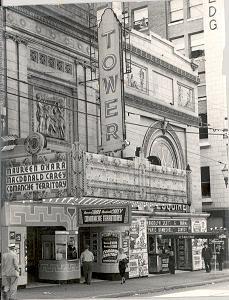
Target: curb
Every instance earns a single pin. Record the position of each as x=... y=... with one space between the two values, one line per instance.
x=161 y=289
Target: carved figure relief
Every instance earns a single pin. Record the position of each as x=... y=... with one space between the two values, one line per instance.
x=50 y=115
x=138 y=78
x=186 y=97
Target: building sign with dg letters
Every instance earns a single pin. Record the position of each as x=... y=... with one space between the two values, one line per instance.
x=101 y=216
x=111 y=82
x=27 y=180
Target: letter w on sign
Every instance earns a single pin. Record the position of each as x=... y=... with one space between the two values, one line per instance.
x=110 y=84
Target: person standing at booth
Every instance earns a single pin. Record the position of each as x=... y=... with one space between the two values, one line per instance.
x=87 y=259
x=207 y=256
x=10 y=273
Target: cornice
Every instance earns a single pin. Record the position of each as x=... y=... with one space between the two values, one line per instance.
x=48 y=21
x=161 y=110
x=163 y=64
x=20 y=39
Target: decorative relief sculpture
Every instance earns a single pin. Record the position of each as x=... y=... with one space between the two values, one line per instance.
x=50 y=115
x=186 y=97
x=138 y=78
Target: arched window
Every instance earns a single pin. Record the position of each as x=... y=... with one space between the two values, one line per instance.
x=162 y=150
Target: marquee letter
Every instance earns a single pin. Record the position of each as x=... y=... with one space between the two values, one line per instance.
x=111 y=111
x=108 y=35
x=112 y=130
x=110 y=84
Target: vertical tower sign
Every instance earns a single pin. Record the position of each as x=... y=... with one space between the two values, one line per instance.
x=111 y=82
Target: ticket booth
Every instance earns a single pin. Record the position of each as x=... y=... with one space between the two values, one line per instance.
x=60 y=261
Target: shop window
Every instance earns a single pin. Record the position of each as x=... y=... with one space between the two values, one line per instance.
x=197 y=45
x=195 y=9
x=140 y=19
x=203 y=119
x=179 y=44
x=205 y=182
x=176 y=10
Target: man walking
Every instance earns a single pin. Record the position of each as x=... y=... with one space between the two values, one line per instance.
x=87 y=259
x=10 y=273
x=207 y=256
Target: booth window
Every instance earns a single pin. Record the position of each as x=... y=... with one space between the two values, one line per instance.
x=176 y=10
x=140 y=17
x=179 y=45
x=197 y=45
x=205 y=182
x=195 y=8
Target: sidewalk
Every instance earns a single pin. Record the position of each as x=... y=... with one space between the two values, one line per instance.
x=113 y=289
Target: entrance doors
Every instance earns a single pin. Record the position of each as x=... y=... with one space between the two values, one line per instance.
x=34 y=249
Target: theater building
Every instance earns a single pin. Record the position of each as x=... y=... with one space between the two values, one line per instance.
x=61 y=189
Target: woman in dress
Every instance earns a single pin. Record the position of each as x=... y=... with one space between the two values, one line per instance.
x=122 y=264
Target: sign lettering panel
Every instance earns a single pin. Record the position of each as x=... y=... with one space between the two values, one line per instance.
x=104 y=216
x=111 y=82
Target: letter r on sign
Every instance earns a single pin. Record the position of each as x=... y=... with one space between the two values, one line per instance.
x=112 y=130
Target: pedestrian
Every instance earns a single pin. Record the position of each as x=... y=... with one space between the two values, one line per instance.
x=219 y=257
x=207 y=256
x=10 y=273
x=87 y=259
x=122 y=264
x=171 y=263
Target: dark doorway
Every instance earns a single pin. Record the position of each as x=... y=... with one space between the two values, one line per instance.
x=34 y=249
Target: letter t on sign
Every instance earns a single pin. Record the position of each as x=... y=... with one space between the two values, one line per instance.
x=108 y=36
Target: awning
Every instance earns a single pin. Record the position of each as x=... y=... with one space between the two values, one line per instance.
x=136 y=204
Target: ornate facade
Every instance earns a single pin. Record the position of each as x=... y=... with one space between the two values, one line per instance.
x=55 y=176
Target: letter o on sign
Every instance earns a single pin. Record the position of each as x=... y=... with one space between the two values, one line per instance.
x=109 y=62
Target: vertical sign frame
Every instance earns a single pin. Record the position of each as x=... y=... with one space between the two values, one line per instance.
x=111 y=83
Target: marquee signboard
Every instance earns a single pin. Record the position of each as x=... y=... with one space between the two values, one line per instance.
x=168 y=226
x=111 y=82
x=27 y=180
x=101 y=216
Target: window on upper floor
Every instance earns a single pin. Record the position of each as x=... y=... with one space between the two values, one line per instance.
x=197 y=45
x=203 y=118
x=140 y=18
x=179 y=44
x=176 y=10
x=205 y=182
x=195 y=8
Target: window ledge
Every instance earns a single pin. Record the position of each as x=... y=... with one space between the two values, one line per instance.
x=204 y=144
x=207 y=200
x=193 y=19
x=175 y=23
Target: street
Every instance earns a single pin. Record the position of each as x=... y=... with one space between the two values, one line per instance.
x=215 y=291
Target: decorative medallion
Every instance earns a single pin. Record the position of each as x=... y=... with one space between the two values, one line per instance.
x=34 y=143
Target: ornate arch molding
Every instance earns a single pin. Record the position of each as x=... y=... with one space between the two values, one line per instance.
x=161 y=129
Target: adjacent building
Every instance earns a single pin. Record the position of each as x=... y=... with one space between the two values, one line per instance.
x=197 y=30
